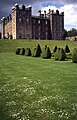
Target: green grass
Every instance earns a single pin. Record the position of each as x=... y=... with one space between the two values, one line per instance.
x=35 y=88
x=12 y=45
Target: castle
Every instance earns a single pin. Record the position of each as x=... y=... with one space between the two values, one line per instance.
x=23 y=25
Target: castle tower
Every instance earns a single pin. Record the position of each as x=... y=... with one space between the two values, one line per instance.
x=21 y=22
x=57 y=25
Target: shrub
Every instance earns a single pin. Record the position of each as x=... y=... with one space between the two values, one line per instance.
x=74 y=56
x=68 y=55
x=56 y=56
x=67 y=50
x=55 y=49
x=37 y=51
x=22 y=51
x=28 y=52
x=60 y=54
x=46 y=53
x=18 y=51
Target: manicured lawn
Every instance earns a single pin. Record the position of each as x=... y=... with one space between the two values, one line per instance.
x=12 y=45
x=35 y=88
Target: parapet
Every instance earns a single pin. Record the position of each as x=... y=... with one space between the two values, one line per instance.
x=7 y=19
x=42 y=15
x=52 y=12
x=23 y=7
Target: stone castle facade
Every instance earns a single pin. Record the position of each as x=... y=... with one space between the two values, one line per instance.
x=23 y=25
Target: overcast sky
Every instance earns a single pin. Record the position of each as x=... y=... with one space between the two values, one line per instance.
x=68 y=6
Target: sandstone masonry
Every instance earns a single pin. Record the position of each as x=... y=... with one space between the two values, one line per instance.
x=23 y=25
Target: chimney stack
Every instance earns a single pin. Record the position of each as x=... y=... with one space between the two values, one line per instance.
x=39 y=13
x=44 y=13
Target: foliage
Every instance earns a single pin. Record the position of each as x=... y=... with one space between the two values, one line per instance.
x=22 y=51
x=37 y=51
x=60 y=54
x=72 y=32
x=28 y=52
x=18 y=51
x=74 y=56
x=67 y=50
x=46 y=52
x=55 y=49
x=68 y=55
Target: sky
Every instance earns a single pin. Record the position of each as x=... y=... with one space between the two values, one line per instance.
x=68 y=6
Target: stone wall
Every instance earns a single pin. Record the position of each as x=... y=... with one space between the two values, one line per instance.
x=22 y=25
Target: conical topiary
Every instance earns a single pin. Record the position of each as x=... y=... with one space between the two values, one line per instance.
x=37 y=51
x=55 y=49
x=60 y=54
x=67 y=50
x=56 y=54
x=28 y=52
x=74 y=56
x=18 y=51
x=22 y=51
x=46 y=53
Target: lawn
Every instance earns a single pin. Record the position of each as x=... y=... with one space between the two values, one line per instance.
x=35 y=88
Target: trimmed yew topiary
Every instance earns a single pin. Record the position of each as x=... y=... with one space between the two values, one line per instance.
x=37 y=51
x=67 y=50
x=22 y=51
x=28 y=52
x=46 y=53
x=60 y=54
x=55 y=49
x=18 y=51
x=74 y=56
x=56 y=54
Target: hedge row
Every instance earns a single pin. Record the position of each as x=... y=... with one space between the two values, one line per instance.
x=58 y=53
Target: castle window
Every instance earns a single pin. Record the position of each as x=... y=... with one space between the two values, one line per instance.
x=39 y=33
x=19 y=37
x=27 y=20
x=19 y=19
x=39 y=21
x=46 y=22
x=46 y=33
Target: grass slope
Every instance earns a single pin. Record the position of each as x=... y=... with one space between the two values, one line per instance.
x=12 y=45
x=35 y=88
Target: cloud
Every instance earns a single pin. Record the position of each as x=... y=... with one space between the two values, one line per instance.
x=70 y=17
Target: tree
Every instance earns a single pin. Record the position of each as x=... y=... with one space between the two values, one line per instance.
x=37 y=51
x=74 y=56
x=55 y=49
x=46 y=53
x=72 y=32
x=28 y=52
x=60 y=54
x=67 y=50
